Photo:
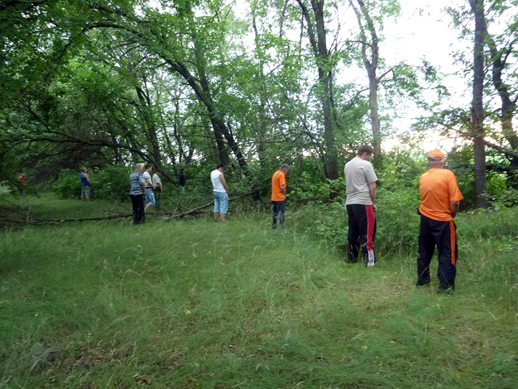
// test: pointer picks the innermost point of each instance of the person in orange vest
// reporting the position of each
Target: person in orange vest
(440, 200)
(279, 196)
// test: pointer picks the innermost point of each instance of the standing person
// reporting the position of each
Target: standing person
(138, 188)
(85, 185)
(279, 195)
(360, 182)
(440, 200)
(220, 193)
(181, 182)
(21, 181)
(150, 197)
(157, 182)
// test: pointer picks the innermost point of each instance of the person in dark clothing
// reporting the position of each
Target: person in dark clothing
(181, 182)
(138, 188)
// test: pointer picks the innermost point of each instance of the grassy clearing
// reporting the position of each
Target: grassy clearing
(194, 303)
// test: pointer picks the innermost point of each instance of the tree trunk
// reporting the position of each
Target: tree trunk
(477, 7)
(371, 65)
(325, 78)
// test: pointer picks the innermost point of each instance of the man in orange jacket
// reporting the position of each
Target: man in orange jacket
(440, 200)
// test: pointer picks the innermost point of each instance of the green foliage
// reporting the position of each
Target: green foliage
(110, 183)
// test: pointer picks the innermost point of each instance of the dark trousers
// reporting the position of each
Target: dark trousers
(279, 208)
(362, 228)
(138, 208)
(443, 235)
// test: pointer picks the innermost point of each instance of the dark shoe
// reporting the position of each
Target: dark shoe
(423, 282)
(446, 289)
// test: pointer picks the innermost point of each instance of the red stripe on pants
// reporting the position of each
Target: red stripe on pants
(370, 226)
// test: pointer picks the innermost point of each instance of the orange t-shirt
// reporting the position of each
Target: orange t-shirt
(278, 179)
(438, 189)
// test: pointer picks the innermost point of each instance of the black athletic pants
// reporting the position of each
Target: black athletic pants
(362, 228)
(138, 208)
(442, 234)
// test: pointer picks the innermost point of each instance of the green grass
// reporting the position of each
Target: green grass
(198, 304)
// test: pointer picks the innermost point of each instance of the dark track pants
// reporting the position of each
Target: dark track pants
(442, 234)
(362, 227)
(279, 208)
(138, 208)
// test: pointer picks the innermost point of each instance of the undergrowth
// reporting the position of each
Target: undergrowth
(194, 303)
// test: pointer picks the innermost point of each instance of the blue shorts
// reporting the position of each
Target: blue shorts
(150, 196)
(220, 202)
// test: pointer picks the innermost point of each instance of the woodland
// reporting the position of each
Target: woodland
(89, 300)
(106, 84)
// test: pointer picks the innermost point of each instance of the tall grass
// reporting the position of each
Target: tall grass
(194, 303)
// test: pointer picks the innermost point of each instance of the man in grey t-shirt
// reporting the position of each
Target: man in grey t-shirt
(360, 181)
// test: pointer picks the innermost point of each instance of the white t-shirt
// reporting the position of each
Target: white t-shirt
(358, 175)
(216, 182)
(146, 176)
(156, 180)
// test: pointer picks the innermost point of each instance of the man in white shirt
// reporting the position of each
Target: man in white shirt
(360, 181)
(220, 193)
(157, 182)
(150, 197)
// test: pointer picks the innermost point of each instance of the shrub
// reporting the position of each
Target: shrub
(109, 183)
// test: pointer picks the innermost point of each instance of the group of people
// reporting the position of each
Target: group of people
(144, 187)
(440, 200)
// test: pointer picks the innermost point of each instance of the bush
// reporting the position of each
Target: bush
(110, 183)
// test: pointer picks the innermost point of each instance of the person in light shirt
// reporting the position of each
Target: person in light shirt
(360, 183)
(220, 191)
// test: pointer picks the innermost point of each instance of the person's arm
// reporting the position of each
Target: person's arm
(150, 183)
(222, 179)
(372, 192)
(283, 189)
(87, 178)
(454, 208)
(159, 185)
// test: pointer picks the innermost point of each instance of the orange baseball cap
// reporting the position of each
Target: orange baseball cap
(436, 155)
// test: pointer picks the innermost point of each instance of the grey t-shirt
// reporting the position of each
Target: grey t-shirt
(358, 175)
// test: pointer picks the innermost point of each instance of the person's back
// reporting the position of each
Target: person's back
(358, 175)
(216, 182)
(438, 188)
(136, 183)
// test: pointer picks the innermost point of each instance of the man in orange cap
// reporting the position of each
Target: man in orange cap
(440, 199)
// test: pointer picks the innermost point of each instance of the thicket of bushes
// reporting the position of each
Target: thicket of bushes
(312, 207)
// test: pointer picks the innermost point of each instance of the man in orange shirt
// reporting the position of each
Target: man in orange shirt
(279, 195)
(440, 200)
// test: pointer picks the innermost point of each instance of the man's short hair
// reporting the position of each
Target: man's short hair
(139, 166)
(182, 169)
(365, 149)
(220, 165)
(158, 171)
(285, 166)
(147, 166)
(83, 170)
